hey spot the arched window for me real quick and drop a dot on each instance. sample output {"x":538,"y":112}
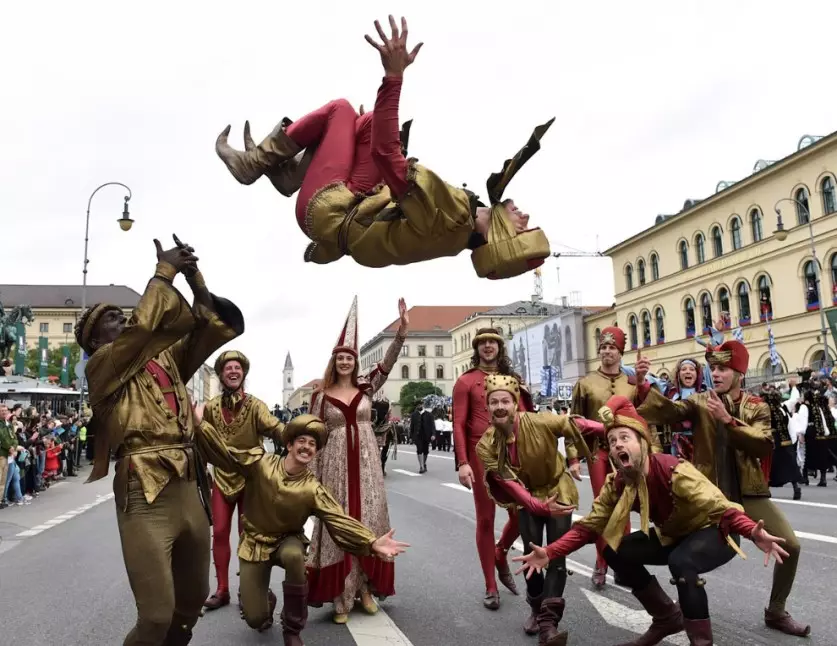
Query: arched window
{"x":655,"y":267}
{"x":717,"y":241}
{"x":829,"y":199}
{"x":661,"y":330}
{"x":633,"y":331}
{"x":765,"y":302}
{"x":598,"y":335}
{"x":629,"y":277}
{"x":690,"y":318}
{"x":700,"y":249}
{"x":812,"y":296}
{"x":440,"y":372}
{"x":755,"y":225}
{"x":743,"y":304}
{"x":646,"y":329}
{"x":706,"y":312}
{"x":640,"y":270}
{"x":803,"y":211}
{"x":723,"y":302}
{"x":735,"y":233}
{"x":684,"y":255}
{"x":568,"y":344}
{"x":405,"y":372}
{"x":422,"y":371}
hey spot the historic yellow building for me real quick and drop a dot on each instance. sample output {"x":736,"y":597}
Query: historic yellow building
{"x":727,"y":256}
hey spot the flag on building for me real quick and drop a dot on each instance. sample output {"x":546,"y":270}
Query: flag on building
{"x":738,"y":335}
{"x":65,"y":365}
{"x":549,"y":381}
{"x":771,"y":346}
{"x":20,"y":353}
{"x":43,"y":357}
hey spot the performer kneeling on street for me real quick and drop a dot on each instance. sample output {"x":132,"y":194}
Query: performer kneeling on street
{"x":523,"y":468}
{"x":280,"y":493}
{"x":694,"y":533}
{"x":360,"y":196}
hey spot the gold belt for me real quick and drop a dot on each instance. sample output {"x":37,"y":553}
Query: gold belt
{"x":153,"y":449}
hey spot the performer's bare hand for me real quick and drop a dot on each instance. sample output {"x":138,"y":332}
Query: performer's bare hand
{"x":466,"y":476}
{"x":575,"y":470}
{"x":386,"y":547}
{"x":199,"y":408}
{"x":403,"y":315}
{"x":180,"y":258}
{"x":533,"y":562}
{"x":189,"y":272}
{"x":768,"y":544}
{"x":557,"y":509}
{"x":642,"y":367}
{"x":717,"y":409}
{"x":393,"y":50}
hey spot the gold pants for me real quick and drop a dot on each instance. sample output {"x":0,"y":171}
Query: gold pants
{"x":775,"y":523}
{"x":255,"y":579}
{"x":165,"y":546}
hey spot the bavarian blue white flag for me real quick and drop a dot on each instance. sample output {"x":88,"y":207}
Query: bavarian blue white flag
{"x":549,"y":381}
{"x":771,"y":346}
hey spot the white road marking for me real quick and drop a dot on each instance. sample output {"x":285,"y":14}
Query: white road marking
{"x":376,"y":630}
{"x":63,"y":517}
{"x":457,"y":486}
{"x":636,"y":621}
{"x":816,"y":537}
{"x":407,"y":473}
{"x":430,"y":455}
{"x":804,"y":503}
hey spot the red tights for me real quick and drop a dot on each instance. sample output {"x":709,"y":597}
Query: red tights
{"x":598,"y":474}
{"x":485,"y":509}
{"x":222,"y":513}
{"x":360,"y":151}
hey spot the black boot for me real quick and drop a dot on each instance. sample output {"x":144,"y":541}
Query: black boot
{"x":822,"y":482}
{"x":797,"y":492}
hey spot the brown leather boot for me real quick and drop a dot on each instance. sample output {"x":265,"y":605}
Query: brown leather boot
{"x":491,"y":600}
{"x":218,"y":599}
{"x":276,"y":149}
{"x":783,"y":622}
{"x":501,"y":562}
{"x":699,"y":632}
{"x":530,"y":626}
{"x":294,"y":612}
{"x":552,"y":610}
{"x":666,"y":615}
{"x":271,"y":603}
{"x":599,"y":578}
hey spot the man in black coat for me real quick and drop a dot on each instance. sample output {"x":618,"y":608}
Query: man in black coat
{"x":422,"y":430}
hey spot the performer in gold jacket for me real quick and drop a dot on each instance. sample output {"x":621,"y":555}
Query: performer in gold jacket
{"x":524,"y":469}
{"x":359,"y":195}
{"x":243,"y":420}
{"x":137,"y":374}
{"x":693,"y":523}
{"x":731,"y":436}
{"x":279,"y":496}
{"x":590,"y":393}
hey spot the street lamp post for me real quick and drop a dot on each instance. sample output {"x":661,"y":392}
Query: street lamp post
{"x":125,"y":223}
{"x":781,"y":235}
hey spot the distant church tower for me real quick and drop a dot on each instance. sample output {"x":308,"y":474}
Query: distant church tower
{"x":287,"y":380}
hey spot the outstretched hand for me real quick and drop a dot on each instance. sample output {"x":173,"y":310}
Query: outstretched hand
{"x":557,"y":509}
{"x":768,"y":544}
{"x":189,"y":271}
{"x":181,"y":258}
{"x":386,"y":547}
{"x":403,"y":315}
{"x":533,"y":562}
{"x":394,"y":55}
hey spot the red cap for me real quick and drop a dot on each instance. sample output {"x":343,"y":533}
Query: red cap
{"x":613,"y":335}
{"x":619,"y":412}
{"x":731,"y":354}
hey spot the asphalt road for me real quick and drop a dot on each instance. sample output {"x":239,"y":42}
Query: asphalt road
{"x":62,"y":579}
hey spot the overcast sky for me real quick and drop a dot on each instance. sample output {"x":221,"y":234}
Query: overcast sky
{"x":655,"y":103}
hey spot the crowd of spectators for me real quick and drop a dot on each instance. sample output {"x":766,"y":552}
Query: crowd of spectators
{"x":36,"y":450}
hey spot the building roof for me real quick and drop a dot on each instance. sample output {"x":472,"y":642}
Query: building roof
{"x":438,"y":318}
{"x":525,"y":308}
{"x":60,"y":296}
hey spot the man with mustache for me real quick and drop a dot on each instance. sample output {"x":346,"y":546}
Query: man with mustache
{"x":470,"y":422}
{"x":524,"y":469}
{"x":732,"y":441}
{"x":280,"y":493}
{"x":695,"y":531}
{"x":243,"y":420}
{"x":590,"y":393}
{"x":137,"y":375}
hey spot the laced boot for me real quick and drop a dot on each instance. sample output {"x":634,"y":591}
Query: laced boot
{"x":294,"y":612}
{"x":699,"y":632}
{"x":552,"y":610}
{"x":666,"y":615}
{"x":276,"y":149}
{"x":501,"y":562}
{"x":530,"y":626}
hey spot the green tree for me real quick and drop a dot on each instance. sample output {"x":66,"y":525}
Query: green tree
{"x":55,"y":356}
{"x":413,"y":392}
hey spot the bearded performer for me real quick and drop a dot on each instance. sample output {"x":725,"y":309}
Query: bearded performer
{"x":524,"y":469}
{"x":590,"y":393}
{"x":732,"y":441}
{"x":783,"y":468}
{"x":280,"y":494}
{"x":359,"y":195}
{"x":470,"y":422}
{"x":695,"y":529}
{"x":137,"y":374}
{"x":242,"y":420}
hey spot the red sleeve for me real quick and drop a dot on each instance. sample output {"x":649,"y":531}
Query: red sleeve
{"x":589,"y":428}
{"x":737,"y":522}
{"x":507,"y":491}
{"x":641,"y":393}
{"x":575,"y":539}
{"x":460,"y":419}
{"x":386,"y":138}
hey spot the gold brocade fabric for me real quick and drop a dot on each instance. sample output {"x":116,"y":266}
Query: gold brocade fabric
{"x":590,"y":393}
{"x":252,"y":422}
{"x":542,"y":468}
{"x":697,"y":504}
{"x":277,"y":504}
{"x":751,"y":438}
{"x":127,"y":402}
{"x":432,"y":221}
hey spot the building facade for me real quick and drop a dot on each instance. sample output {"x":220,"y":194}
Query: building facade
{"x":727,"y":257}
{"x":204,"y":385}
{"x":301,"y":397}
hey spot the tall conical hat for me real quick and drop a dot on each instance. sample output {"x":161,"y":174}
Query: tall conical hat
{"x":347,"y":341}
